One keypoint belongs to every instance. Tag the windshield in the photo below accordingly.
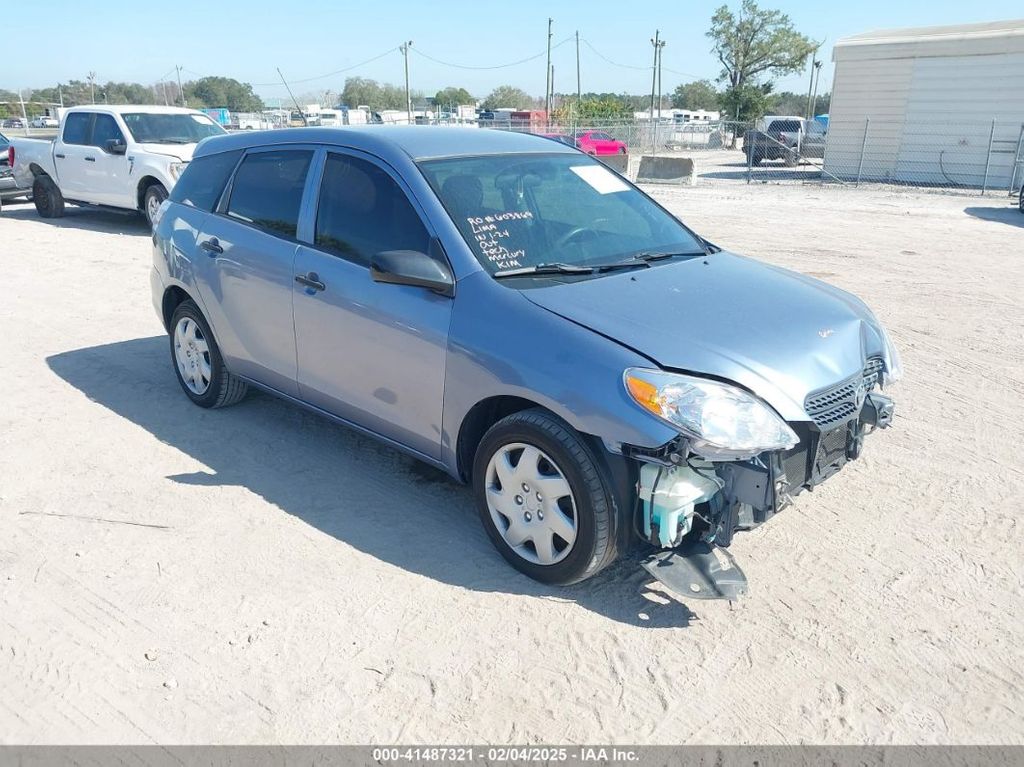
(165, 128)
(519, 211)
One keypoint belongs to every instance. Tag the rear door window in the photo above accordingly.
(76, 128)
(267, 190)
(204, 179)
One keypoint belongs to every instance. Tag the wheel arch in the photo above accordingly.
(37, 170)
(481, 417)
(144, 184)
(174, 296)
(620, 474)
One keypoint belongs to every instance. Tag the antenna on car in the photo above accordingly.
(294, 101)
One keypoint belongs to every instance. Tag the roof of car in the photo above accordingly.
(122, 108)
(419, 142)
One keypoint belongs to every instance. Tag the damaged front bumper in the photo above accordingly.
(691, 507)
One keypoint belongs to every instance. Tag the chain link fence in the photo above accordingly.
(976, 156)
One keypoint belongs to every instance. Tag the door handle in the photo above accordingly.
(90, 159)
(311, 280)
(212, 247)
(59, 156)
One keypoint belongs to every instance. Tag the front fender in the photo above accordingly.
(501, 344)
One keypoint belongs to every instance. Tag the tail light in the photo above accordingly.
(10, 156)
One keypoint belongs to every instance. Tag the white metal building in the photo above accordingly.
(931, 105)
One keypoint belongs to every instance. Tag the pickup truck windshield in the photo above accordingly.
(527, 210)
(157, 128)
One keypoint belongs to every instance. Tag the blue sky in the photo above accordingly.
(308, 38)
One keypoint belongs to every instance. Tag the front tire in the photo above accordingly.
(47, 198)
(542, 499)
(197, 361)
(151, 201)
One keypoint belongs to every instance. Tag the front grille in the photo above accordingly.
(843, 401)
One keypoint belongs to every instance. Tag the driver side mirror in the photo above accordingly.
(410, 267)
(116, 146)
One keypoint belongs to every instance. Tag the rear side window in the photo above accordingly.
(203, 180)
(104, 129)
(267, 190)
(362, 211)
(784, 126)
(76, 128)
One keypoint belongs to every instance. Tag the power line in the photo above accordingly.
(494, 66)
(605, 58)
(633, 66)
(309, 79)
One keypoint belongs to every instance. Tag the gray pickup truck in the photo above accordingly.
(789, 139)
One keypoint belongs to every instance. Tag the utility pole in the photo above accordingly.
(404, 47)
(166, 102)
(24, 117)
(547, 87)
(181, 91)
(661, 45)
(60, 95)
(654, 69)
(579, 90)
(551, 97)
(810, 84)
(92, 90)
(814, 96)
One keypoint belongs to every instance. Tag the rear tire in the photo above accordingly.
(151, 201)
(47, 198)
(197, 363)
(560, 456)
(1020, 202)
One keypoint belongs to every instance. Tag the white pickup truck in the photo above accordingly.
(113, 156)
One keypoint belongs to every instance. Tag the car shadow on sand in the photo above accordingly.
(89, 219)
(1012, 216)
(351, 487)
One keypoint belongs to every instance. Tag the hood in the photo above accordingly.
(780, 334)
(180, 152)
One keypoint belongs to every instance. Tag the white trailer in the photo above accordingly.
(930, 105)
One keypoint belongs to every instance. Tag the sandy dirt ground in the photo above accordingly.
(257, 574)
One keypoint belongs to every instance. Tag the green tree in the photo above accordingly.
(592, 109)
(453, 96)
(222, 92)
(755, 43)
(361, 91)
(700, 94)
(508, 96)
(749, 102)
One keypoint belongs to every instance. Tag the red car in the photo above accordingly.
(598, 142)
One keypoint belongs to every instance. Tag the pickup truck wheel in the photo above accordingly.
(197, 361)
(542, 500)
(47, 197)
(155, 195)
(791, 158)
(1020, 202)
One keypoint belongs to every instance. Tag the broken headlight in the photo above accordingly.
(722, 422)
(893, 364)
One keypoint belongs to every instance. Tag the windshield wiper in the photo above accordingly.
(168, 141)
(553, 268)
(649, 256)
